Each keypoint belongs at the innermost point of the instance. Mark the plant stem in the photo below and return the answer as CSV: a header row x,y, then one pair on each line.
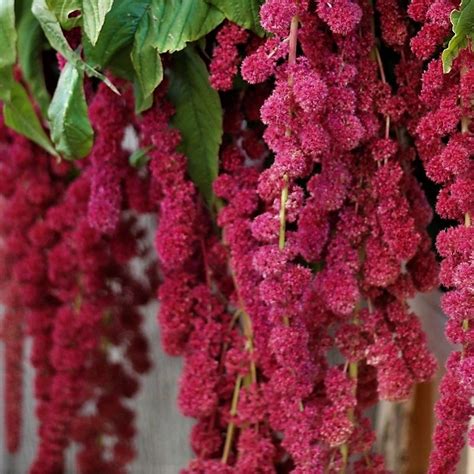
x,y
283,200
251,378
353,373
467,216
345,457
293,43
465,323
378,58
231,426
248,333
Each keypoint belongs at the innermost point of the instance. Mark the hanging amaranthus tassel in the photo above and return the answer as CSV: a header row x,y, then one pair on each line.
x,y
446,145
29,304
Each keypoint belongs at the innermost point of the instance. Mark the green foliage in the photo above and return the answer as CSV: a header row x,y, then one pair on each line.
x,y
182,21
245,13
50,23
52,29
7,47
30,46
117,32
172,24
89,14
7,33
62,10
128,38
21,117
139,158
6,83
463,29
146,61
121,64
198,117
149,28
71,130
18,111
93,17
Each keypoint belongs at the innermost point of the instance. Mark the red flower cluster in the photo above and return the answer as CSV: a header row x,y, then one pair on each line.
x,y
445,144
332,234
287,295
225,58
97,317
70,287
29,304
193,315
109,165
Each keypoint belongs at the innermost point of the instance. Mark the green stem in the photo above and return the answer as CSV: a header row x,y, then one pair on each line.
x,y
465,323
231,426
345,457
283,201
353,373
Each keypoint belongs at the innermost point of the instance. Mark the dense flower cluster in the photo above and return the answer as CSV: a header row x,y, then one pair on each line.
x,y
29,304
97,316
110,114
338,196
70,287
225,59
193,313
445,144
287,293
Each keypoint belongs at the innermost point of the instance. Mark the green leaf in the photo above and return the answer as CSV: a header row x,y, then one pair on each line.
x,y
146,62
63,8
246,13
71,130
7,33
198,117
21,7
183,21
142,102
152,27
52,29
93,17
7,47
140,158
6,83
21,117
175,23
118,31
30,46
120,65
463,29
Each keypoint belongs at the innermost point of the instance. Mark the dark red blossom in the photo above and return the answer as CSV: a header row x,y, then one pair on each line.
x,y
225,57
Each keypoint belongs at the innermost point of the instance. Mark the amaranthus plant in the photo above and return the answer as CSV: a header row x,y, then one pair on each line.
x,y
282,150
